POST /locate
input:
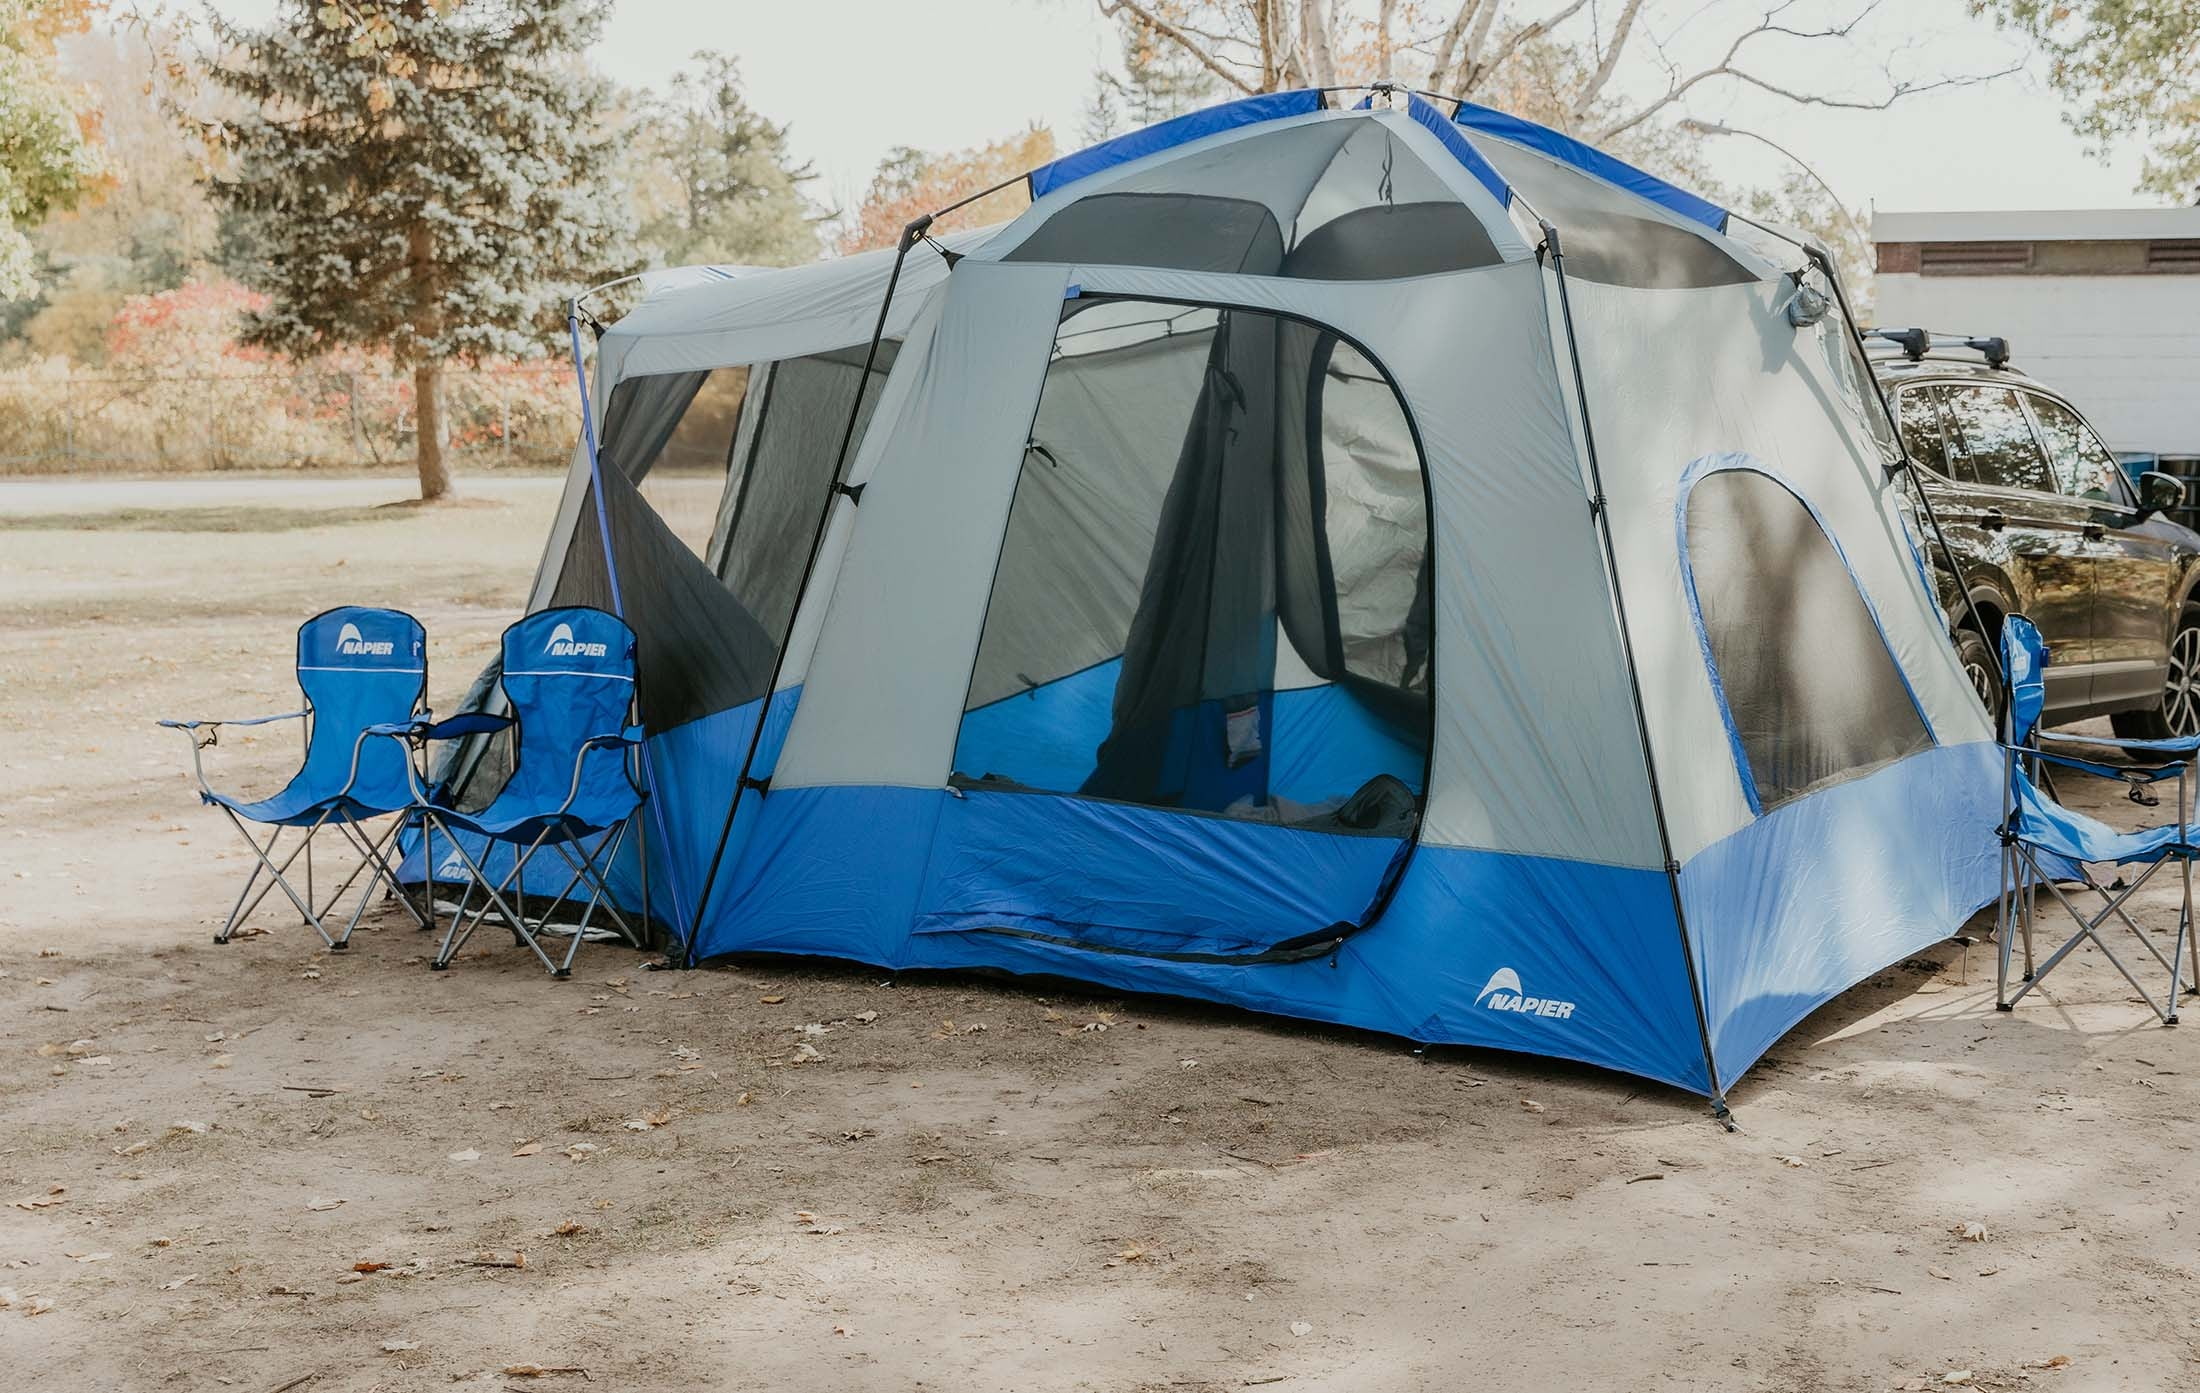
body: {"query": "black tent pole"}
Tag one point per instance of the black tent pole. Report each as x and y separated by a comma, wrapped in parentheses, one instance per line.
(1597, 509)
(910, 236)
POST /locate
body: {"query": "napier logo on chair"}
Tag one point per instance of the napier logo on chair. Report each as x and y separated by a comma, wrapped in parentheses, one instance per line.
(352, 644)
(563, 645)
(1502, 993)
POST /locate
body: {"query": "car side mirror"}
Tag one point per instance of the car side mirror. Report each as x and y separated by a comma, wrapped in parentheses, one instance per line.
(2160, 493)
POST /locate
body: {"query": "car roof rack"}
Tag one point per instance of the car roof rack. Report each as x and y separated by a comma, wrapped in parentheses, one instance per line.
(1916, 343)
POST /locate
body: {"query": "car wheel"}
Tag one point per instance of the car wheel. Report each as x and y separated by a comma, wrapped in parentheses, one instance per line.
(2179, 713)
(1981, 670)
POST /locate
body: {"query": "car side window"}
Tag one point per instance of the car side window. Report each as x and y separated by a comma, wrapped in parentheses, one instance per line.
(1996, 438)
(2083, 466)
(1921, 433)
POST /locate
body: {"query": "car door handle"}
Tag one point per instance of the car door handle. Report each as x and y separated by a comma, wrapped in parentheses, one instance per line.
(1992, 520)
(2095, 532)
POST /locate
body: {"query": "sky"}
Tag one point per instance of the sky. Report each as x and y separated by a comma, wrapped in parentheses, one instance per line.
(853, 78)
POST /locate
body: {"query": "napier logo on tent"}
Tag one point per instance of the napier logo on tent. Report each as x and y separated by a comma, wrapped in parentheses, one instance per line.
(563, 645)
(352, 644)
(1502, 993)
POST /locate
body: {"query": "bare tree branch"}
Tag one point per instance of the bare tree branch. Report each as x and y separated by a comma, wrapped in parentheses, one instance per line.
(1321, 60)
(1622, 31)
(1524, 34)
(1468, 12)
(1155, 22)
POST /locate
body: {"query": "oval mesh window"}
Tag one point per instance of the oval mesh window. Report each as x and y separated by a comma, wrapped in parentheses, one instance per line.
(1812, 695)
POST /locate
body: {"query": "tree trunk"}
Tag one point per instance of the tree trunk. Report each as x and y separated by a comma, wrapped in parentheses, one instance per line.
(433, 432)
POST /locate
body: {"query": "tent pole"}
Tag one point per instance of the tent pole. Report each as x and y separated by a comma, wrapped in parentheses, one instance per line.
(1907, 466)
(611, 577)
(910, 236)
(1598, 510)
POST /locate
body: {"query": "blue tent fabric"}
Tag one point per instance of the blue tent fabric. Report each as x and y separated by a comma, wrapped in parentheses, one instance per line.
(1589, 159)
(1151, 140)
(358, 667)
(1461, 148)
(1566, 958)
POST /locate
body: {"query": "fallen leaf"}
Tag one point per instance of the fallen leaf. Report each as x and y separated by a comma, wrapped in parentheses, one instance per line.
(569, 1228)
(1792, 1162)
(773, 1000)
(466, 1157)
(1971, 1232)
(843, 1330)
(1531, 1105)
(194, 1128)
(88, 1257)
(399, 1346)
(866, 1016)
(805, 1051)
(323, 1204)
(532, 1148)
(1300, 1327)
(41, 1202)
(1936, 1272)
(179, 1282)
(368, 1266)
(2060, 1361)
(1956, 1376)
(223, 1061)
(539, 1370)
(580, 1150)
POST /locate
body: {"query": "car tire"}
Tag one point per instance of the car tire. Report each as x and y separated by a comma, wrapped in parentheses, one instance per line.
(2179, 713)
(1982, 670)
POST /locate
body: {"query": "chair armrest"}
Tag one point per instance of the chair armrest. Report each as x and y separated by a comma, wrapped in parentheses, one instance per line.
(234, 721)
(463, 724)
(2126, 773)
(632, 735)
(2187, 745)
(213, 728)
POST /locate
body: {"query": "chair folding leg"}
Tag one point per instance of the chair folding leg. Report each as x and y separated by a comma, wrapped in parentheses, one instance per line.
(2089, 931)
(453, 938)
(276, 874)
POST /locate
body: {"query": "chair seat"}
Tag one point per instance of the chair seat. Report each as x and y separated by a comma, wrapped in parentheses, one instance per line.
(300, 804)
(2050, 827)
(521, 819)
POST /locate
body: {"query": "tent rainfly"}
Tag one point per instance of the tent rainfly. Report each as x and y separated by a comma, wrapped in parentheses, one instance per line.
(1395, 566)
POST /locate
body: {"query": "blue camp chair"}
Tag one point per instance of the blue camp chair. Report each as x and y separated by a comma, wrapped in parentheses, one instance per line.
(2045, 844)
(358, 668)
(568, 683)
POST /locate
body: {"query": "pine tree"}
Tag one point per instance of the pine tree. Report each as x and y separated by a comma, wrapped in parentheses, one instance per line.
(429, 176)
(723, 186)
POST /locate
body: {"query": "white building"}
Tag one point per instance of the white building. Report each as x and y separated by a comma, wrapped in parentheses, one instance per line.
(2103, 305)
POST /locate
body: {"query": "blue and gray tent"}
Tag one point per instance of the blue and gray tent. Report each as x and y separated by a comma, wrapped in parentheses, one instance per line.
(1391, 565)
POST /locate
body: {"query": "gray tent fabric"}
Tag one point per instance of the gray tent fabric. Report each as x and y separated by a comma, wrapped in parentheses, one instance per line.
(641, 417)
(782, 482)
(697, 649)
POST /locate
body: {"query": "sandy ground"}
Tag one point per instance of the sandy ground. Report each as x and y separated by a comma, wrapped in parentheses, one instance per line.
(266, 1167)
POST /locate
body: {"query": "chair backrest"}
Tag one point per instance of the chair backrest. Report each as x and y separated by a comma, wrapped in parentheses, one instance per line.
(359, 667)
(568, 675)
(2024, 658)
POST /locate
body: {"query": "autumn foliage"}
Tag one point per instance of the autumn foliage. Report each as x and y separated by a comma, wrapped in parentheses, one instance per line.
(911, 183)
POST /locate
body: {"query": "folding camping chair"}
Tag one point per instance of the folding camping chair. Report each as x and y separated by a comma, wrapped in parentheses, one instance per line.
(358, 668)
(2045, 844)
(568, 682)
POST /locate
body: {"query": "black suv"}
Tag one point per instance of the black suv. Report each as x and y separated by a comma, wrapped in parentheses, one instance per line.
(2046, 524)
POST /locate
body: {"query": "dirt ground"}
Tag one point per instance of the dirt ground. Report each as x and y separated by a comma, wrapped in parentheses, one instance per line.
(267, 1167)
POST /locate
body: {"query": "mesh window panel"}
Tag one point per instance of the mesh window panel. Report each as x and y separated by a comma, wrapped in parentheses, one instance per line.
(672, 434)
(785, 476)
(1337, 200)
(1608, 235)
(1202, 485)
(1810, 688)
